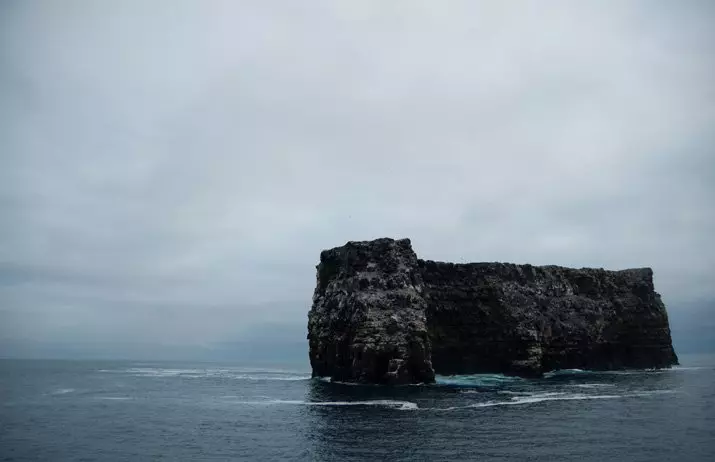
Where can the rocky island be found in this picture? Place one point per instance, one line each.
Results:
(381, 315)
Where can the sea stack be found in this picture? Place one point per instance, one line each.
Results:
(381, 315)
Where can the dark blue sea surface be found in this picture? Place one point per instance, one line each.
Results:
(113, 410)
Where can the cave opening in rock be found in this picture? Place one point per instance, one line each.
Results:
(381, 364)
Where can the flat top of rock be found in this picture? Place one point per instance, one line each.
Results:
(640, 273)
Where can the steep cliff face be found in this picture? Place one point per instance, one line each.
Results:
(368, 321)
(380, 315)
(525, 320)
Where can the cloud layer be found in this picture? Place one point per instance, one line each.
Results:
(169, 171)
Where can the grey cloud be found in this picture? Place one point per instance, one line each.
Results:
(169, 167)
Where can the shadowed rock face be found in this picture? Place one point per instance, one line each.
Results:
(368, 322)
(380, 315)
(525, 320)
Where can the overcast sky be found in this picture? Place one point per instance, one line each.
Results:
(170, 171)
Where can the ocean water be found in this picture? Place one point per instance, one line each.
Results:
(114, 410)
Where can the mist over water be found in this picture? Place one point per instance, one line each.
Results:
(120, 410)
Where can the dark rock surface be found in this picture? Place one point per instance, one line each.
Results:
(525, 320)
(368, 322)
(380, 315)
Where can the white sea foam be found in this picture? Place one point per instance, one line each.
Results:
(328, 379)
(581, 372)
(472, 380)
(400, 405)
(515, 393)
(544, 397)
(575, 397)
(523, 398)
(561, 372)
(266, 370)
(653, 392)
(161, 372)
(592, 385)
(634, 372)
(63, 391)
(243, 374)
(550, 396)
(290, 378)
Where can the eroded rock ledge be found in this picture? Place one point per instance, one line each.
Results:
(380, 315)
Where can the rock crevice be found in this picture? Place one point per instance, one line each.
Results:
(380, 315)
